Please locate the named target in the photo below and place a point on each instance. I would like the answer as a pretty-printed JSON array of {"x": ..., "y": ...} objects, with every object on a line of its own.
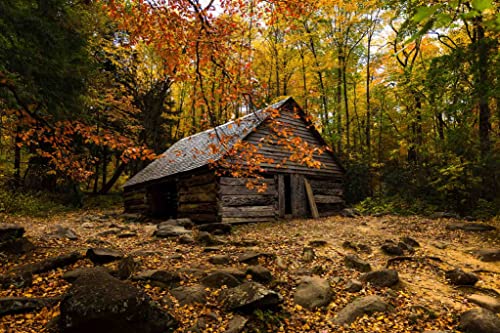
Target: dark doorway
[
  {"x": 163, "y": 200},
  {"x": 288, "y": 195}
]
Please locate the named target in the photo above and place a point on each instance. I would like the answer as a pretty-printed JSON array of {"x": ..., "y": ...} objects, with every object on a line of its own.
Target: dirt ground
[{"x": 424, "y": 300}]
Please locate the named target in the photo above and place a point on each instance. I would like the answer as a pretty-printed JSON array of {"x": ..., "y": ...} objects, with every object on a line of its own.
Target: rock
[
  {"x": 350, "y": 212},
  {"x": 237, "y": 273},
  {"x": 353, "y": 261},
  {"x": 182, "y": 222},
  {"x": 252, "y": 257},
  {"x": 236, "y": 324},
  {"x": 479, "y": 320},
  {"x": 470, "y": 226},
  {"x": 73, "y": 275},
  {"x": 206, "y": 239},
  {"x": 10, "y": 232},
  {"x": 260, "y": 274},
  {"x": 130, "y": 217},
  {"x": 217, "y": 279},
  {"x": 318, "y": 243},
  {"x": 392, "y": 249},
  {"x": 49, "y": 264},
  {"x": 126, "y": 267},
  {"x": 186, "y": 239},
  {"x": 313, "y": 292},
  {"x": 308, "y": 254},
  {"x": 220, "y": 260},
  {"x": 349, "y": 245},
  {"x": 484, "y": 301},
  {"x": 440, "y": 245},
  {"x": 215, "y": 228},
  {"x": 364, "y": 248},
  {"x": 109, "y": 232},
  {"x": 405, "y": 247},
  {"x": 16, "y": 280},
  {"x": 458, "y": 277},
  {"x": 63, "y": 232},
  {"x": 359, "y": 307},
  {"x": 12, "y": 305},
  {"x": 100, "y": 255},
  {"x": 162, "y": 278},
  {"x": 488, "y": 255},
  {"x": 248, "y": 297},
  {"x": 381, "y": 278},
  {"x": 98, "y": 302},
  {"x": 353, "y": 286},
  {"x": 16, "y": 246},
  {"x": 410, "y": 241},
  {"x": 190, "y": 294},
  {"x": 170, "y": 231},
  {"x": 209, "y": 249}
]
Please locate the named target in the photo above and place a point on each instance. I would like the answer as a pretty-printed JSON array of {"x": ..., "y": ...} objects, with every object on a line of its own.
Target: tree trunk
[{"x": 118, "y": 172}]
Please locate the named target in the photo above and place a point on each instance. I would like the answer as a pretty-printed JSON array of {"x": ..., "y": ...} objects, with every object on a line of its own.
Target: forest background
[{"x": 405, "y": 92}]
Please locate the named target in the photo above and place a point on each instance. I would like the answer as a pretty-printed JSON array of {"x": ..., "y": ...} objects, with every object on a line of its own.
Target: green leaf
[
  {"x": 423, "y": 13},
  {"x": 481, "y": 5}
]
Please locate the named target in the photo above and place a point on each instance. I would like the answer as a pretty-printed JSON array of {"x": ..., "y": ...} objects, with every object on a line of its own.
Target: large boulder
[
  {"x": 189, "y": 294},
  {"x": 100, "y": 303},
  {"x": 313, "y": 292},
  {"x": 160, "y": 277},
  {"x": 458, "y": 277},
  {"x": 488, "y": 255},
  {"x": 359, "y": 307},
  {"x": 485, "y": 301},
  {"x": 170, "y": 231},
  {"x": 10, "y": 231},
  {"x": 101, "y": 255},
  {"x": 217, "y": 279},
  {"x": 479, "y": 320},
  {"x": 355, "y": 262},
  {"x": 248, "y": 297},
  {"x": 381, "y": 278}
]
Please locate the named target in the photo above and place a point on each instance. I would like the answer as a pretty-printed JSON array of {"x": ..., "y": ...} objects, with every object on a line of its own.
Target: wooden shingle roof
[{"x": 198, "y": 150}]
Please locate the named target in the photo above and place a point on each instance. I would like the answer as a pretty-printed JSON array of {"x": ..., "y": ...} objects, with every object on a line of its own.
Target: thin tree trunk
[
  {"x": 17, "y": 157},
  {"x": 118, "y": 172}
]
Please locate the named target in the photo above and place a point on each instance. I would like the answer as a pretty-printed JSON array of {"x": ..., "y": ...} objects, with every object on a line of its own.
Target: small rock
[
  {"x": 349, "y": 245},
  {"x": 484, "y": 301},
  {"x": 128, "y": 234},
  {"x": 126, "y": 267},
  {"x": 406, "y": 247},
  {"x": 359, "y": 307},
  {"x": 73, "y": 275},
  {"x": 353, "y": 261},
  {"x": 88, "y": 225},
  {"x": 381, "y": 278},
  {"x": 440, "y": 245},
  {"x": 237, "y": 273},
  {"x": 252, "y": 257},
  {"x": 209, "y": 249},
  {"x": 181, "y": 222},
  {"x": 353, "y": 286},
  {"x": 10, "y": 231},
  {"x": 479, "y": 320},
  {"x": 16, "y": 246},
  {"x": 190, "y": 294},
  {"x": 444, "y": 215},
  {"x": 217, "y": 279},
  {"x": 260, "y": 274},
  {"x": 318, "y": 243},
  {"x": 458, "y": 277},
  {"x": 392, "y": 250},
  {"x": 364, "y": 248},
  {"x": 62, "y": 232},
  {"x": 160, "y": 277},
  {"x": 186, "y": 239},
  {"x": 313, "y": 292},
  {"x": 170, "y": 231},
  {"x": 206, "y": 239},
  {"x": 100, "y": 255},
  {"x": 308, "y": 254},
  {"x": 350, "y": 212},
  {"x": 248, "y": 297},
  {"x": 236, "y": 324},
  {"x": 410, "y": 241},
  {"x": 215, "y": 228},
  {"x": 13, "y": 305},
  {"x": 220, "y": 260},
  {"x": 488, "y": 255}
]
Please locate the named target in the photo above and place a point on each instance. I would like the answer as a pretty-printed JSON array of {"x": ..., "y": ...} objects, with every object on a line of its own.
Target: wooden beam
[
  {"x": 310, "y": 198},
  {"x": 281, "y": 196},
  {"x": 328, "y": 199}
]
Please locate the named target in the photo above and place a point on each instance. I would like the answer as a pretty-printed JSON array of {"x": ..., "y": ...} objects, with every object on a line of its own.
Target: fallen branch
[
  {"x": 12, "y": 305},
  {"x": 48, "y": 264}
]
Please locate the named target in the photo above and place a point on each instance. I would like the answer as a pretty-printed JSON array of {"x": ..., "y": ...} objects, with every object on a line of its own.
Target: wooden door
[{"x": 292, "y": 199}]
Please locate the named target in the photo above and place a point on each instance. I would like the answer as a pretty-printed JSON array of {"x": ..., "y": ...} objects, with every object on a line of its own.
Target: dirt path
[{"x": 423, "y": 292}]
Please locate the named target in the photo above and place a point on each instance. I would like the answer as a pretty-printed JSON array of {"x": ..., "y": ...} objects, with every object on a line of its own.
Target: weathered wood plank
[
  {"x": 330, "y": 183},
  {"x": 211, "y": 187},
  {"x": 243, "y": 181},
  {"x": 230, "y": 190},
  {"x": 197, "y": 207},
  {"x": 239, "y": 220},
  {"x": 258, "y": 210},
  {"x": 198, "y": 179},
  {"x": 327, "y": 191},
  {"x": 199, "y": 218},
  {"x": 298, "y": 195},
  {"x": 310, "y": 199},
  {"x": 198, "y": 197},
  {"x": 247, "y": 200},
  {"x": 328, "y": 199}
]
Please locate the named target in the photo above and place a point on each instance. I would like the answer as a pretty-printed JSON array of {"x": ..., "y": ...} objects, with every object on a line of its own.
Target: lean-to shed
[{"x": 187, "y": 181}]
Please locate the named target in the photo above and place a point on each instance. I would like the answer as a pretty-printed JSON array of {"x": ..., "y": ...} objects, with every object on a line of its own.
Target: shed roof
[{"x": 196, "y": 150}]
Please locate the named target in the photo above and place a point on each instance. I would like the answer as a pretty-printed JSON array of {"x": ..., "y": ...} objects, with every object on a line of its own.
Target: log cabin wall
[
  {"x": 135, "y": 200},
  {"x": 239, "y": 204},
  {"x": 197, "y": 196},
  {"x": 326, "y": 182}
]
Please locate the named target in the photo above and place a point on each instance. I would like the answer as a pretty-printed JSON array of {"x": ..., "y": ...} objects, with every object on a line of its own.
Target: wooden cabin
[{"x": 185, "y": 181}]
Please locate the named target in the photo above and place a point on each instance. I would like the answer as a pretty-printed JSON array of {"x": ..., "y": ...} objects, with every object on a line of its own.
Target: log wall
[
  {"x": 239, "y": 204},
  {"x": 328, "y": 194},
  {"x": 135, "y": 200},
  {"x": 197, "y": 197}
]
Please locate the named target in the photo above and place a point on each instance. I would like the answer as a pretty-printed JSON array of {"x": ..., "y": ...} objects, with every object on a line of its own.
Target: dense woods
[{"x": 406, "y": 93}]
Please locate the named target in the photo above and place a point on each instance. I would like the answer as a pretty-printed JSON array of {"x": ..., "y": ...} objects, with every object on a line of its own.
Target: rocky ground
[{"x": 337, "y": 274}]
